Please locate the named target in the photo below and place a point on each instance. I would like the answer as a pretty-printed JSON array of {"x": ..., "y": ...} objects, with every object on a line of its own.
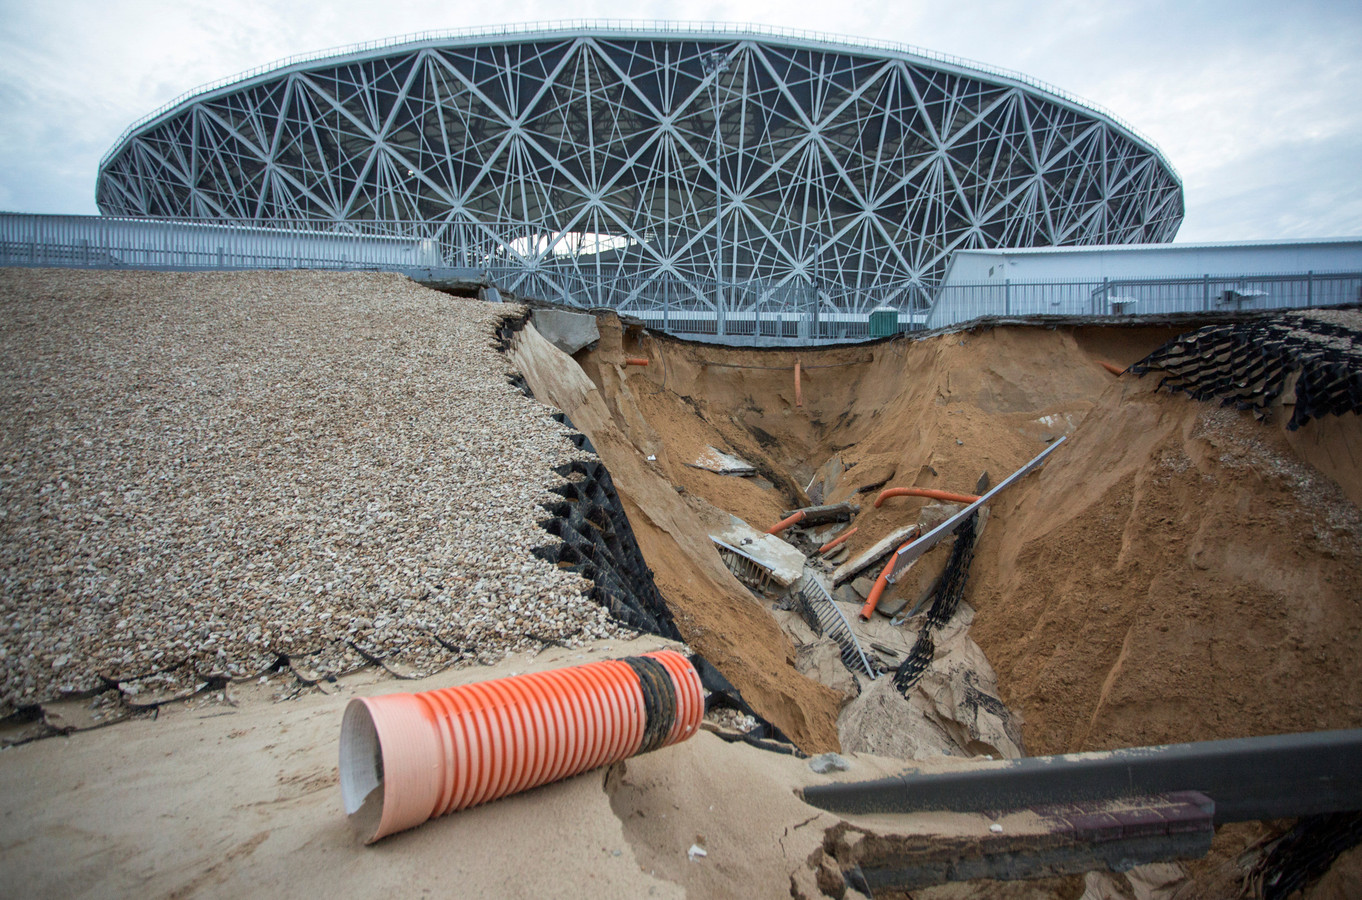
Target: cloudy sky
[{"x": 1257, "y": 103}]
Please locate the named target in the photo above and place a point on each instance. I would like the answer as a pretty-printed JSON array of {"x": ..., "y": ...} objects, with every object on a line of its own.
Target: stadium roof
[{"x": 633, "y": 164}]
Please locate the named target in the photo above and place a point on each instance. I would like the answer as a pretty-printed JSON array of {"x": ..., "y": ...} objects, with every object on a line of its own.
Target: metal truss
[{"x": 717, "y": 172}]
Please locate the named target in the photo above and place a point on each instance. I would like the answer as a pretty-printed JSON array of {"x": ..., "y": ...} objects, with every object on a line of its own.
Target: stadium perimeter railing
[
  {"x": 793, "y": 313},
  {"x": 954, "y": 303}
]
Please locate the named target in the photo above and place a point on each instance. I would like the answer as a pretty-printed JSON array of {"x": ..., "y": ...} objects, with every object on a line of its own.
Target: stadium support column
[{"x": 715, "y": 64}]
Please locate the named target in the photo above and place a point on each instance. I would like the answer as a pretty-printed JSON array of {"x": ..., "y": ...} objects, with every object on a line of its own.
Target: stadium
[
  {"x": 715, "y": 169},
  {"x": 328, "y": 467}
]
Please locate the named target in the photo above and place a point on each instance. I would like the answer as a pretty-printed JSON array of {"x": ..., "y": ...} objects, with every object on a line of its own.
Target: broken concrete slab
[
  {"x": 721, "y": 463},
  {"x": 882, "y": 549},
  {"x": 785, "y": 563},
  {"x": 847, "y": 594},
  {"x": 568, "y": 331},
  {"x": 892, "y": 602},
  {"x": 820, "y": 515},
  {"x": 933, "y": 514}
]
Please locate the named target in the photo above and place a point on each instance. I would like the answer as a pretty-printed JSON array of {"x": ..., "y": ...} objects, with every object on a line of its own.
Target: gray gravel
[{"x": 200, "y": 473}]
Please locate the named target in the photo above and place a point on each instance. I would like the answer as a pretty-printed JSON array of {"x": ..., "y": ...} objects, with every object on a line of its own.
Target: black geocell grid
[
  {"x": 1249, "y": 364},
  {"x": 945, "y": 600}
]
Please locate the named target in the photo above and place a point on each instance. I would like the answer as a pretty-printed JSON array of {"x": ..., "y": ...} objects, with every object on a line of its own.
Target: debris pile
[{"x": 204, "y": 477}]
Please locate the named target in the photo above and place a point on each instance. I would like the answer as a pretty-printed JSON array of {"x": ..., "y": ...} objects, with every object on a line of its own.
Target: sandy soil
[
  {"x": 714, "y": 612},
  {"x": 1175, "y": 572},
  {"x": 238, "y": 801},
  {"x": 225, "y": 800}
]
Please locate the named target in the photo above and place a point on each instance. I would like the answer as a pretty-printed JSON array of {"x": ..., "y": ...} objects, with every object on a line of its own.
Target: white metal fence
[
  {"x": 956, "y": 303},
  {"x": 107, "y": 242},
  {"x": 751, "y": 311}
]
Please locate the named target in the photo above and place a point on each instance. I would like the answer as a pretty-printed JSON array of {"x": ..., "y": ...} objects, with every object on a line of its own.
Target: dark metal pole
[{"x": 1278, "y": 776}]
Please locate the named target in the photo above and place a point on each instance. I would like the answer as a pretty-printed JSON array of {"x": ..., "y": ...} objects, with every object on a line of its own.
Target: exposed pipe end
[{"x": 389, "y": 765}]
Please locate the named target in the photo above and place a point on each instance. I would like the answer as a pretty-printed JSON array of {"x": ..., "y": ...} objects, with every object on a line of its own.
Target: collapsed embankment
[
  {"x": 710, "y": 607},
  {"x": 1176, "y": 572}
]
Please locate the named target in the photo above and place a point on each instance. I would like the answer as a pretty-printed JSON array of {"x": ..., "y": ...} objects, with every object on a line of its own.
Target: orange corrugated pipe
[
  {"x": 1112, "y": 368},
  {"x": 406, "y": 758},
  {"x": 880, "y": 583},
  {"x": 635, "y": 361},
  {"x": 923, "y": 492},
  {"x": 837, "y": 541},
  {"x": 799, "y": 390},
  {"x": 786, "y": 523}
]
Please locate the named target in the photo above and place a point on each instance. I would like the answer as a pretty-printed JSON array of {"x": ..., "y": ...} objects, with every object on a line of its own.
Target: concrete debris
[
  {"x": 892, "y": 601},
  {"x": 824, "y": 763},
  {"x": 820, "y": 515},
  {"x": 916, "y": 583},
  {"x": 721, "y": 463},
  {"x": 568, "y": 331},
  {"x": 846, "y": 593},
  {"x": 784, "y": 562},
  {"x": 875, "y": 554},
  {"x": 826, "y": 479},
  {"x": 953, "y": 710}
]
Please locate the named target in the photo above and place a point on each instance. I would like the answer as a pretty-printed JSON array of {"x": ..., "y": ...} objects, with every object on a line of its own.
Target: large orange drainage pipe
[
  {"x": 406, "y": 758},
  {"x": 794, "y": 519},
  {"x": 930, "y": 493},
  {"x": 883, "y": 581},
  {"x": 839, "y": 540}
]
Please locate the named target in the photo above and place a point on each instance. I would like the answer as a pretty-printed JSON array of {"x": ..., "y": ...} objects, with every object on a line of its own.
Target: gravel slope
[{"x": 202, "y": 472}]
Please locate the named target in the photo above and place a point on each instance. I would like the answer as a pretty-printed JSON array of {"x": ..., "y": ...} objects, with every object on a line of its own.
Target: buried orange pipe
[
  {"x": 947, "y": 496},
  {"x": 406, "y": 758},
  {"x": 635, "y": 361},
  {"x": 1113, "y": 368},
  {"x": 786, "y": 523},
  {"x": 799, "y": 390},
  {"x": 839, "y": 540},
  {"x": 882, "y": 582}
]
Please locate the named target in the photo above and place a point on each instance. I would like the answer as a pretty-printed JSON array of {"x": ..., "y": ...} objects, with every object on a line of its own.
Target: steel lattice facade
[{"x": 597, "y": 162}]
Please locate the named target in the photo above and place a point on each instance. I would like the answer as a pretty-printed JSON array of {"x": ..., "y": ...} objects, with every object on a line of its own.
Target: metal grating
[{"x": 823, "y": 615}]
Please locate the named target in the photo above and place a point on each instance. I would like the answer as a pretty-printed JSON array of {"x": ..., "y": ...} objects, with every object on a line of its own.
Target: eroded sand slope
[{"x": 1176, "y": 572}]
